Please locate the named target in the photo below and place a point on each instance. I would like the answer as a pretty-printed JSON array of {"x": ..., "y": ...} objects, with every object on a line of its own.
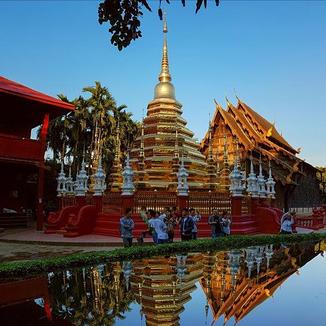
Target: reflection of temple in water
[
  {"x": 234, "y": 283},
  {"x": 163, "y": 285}
]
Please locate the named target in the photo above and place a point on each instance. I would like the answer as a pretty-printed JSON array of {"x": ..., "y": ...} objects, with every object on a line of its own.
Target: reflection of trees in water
[
  {"x": 234, "y": 282},
  {"x": 90, "y": 296}
]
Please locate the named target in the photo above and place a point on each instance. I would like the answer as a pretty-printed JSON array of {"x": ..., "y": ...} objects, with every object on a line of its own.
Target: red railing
[
  {"x": 315, "y": 221},
  {"x": 244, "y": 206},
  {"x": 156, "y": 200},
  {"x": 68, "y": 201},
  {"x": 20, "y": 148},
  {"x": 111, "y": 200},
  {"x": 205, "y": 203}
]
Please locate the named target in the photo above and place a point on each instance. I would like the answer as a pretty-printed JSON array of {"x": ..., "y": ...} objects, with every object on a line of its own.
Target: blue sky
[{"x": 272, "y": 54}]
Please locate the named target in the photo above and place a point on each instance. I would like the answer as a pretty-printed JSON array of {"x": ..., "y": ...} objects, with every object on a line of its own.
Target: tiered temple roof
[{"x": 255, "y": 135}]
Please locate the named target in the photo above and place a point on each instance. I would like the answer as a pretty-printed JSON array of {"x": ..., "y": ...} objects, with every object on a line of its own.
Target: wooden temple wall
[{"x": 307, "y": 193}]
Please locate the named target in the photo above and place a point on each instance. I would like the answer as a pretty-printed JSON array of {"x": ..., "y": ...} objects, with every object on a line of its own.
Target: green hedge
[{"x": 39, "y": 266}]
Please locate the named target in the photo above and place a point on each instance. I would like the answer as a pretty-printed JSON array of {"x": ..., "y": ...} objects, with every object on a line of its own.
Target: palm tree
[{"x": 89, "y": 131}]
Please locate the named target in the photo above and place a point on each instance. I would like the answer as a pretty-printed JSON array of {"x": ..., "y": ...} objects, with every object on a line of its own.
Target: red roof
[{"x": 10, "y": 87}]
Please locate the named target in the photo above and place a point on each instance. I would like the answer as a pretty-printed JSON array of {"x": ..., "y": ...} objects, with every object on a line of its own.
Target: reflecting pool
[{"x": 260, "y": 285}]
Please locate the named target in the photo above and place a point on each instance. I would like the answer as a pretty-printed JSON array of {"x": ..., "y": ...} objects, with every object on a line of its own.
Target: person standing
[
  {"x": 226, "y": 223},
  {"x": 126, "y": 227},
  {"x": 153, "y": 220},
  {"x": 186, "y": 225},
  {"x": 287, "y": 222},
  {"x": 196, "y": 218},
  {"x": 215, "y": 222},
  {"x": 171, "y": 223},
  {"x": 161, "y": 231},
  {"x": 212, "y": 220}
]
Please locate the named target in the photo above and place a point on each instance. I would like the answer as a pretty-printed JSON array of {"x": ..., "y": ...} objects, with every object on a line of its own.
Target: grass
[{"x": 40, "y": 266}]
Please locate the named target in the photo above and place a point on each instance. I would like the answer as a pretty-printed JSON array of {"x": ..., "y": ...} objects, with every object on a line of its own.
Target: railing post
[
  {"x": 98, "y": 202},
  {"x": 236, "y": 205},
  {"x": 182, "y": 201}
]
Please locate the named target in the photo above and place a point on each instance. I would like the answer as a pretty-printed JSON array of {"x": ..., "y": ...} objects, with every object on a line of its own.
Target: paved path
[
  {"x": 23, "y": 251},
  {"x": 26, "y": 244}
]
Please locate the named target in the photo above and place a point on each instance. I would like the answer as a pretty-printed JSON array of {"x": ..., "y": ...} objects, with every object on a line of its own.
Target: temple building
[
  {"x": 22, "y": 166},
  {"x": 165, "y": 140},
  {"x": 241, "y": 130},
  {"x": 165, "y": 144}
]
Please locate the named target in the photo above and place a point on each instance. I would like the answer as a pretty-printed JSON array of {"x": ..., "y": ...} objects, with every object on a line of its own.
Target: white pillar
[
  {"x": 61, "y": 182},
  {"x": 252, "y": 187},
  {"x": 183, "y": 187},
  {"x": 128, "y": 187},
  {"x": 261, "y": 181},
  {"x": 81, "y": 181},
  {"x": 99, "y": 180},
  {"x": 270, "y": 184}
]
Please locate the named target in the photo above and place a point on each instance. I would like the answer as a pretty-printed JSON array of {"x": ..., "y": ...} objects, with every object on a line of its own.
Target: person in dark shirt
[
  {"x": 126, "y": 227},
  {"x": 186, "y": 225}
]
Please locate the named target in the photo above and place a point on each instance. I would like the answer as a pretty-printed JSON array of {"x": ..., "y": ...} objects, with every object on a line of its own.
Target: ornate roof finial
[
  {"x": 165, "y": 74},
  {"x": 228, "y": 102}
]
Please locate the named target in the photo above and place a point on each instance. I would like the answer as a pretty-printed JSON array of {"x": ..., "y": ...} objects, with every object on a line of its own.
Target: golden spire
[
  {"x": 165, "y": 74},
  {"x": 164, "y": 89}
]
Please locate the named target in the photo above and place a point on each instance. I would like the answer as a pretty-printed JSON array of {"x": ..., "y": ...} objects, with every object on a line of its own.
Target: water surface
[{"x": 261, "y": 285}]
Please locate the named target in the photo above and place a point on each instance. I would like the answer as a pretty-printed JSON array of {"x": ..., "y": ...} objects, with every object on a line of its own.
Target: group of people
[{"x": 161, "y": 225}]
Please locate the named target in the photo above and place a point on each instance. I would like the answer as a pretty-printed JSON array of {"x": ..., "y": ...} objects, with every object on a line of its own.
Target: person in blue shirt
[{"x": 126, "y": 227}]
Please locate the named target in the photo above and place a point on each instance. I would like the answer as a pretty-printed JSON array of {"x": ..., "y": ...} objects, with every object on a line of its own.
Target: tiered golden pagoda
[{"x": 165, "y": 138}]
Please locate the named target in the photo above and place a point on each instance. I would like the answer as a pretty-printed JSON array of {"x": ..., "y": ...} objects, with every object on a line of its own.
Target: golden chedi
[{"x": 165, "y": 139}]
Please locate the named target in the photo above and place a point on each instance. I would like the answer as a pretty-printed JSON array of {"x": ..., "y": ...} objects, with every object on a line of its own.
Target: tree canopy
[
  {"x": 124, "y": 17},
  {"x": 90, "y": 131}
]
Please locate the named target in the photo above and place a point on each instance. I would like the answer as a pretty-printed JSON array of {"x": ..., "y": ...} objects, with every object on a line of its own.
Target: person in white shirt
[
  {"x": 287, "y": 221},
  {"x": 161, "y": 230},
  {"x": 152, "y": 224}
]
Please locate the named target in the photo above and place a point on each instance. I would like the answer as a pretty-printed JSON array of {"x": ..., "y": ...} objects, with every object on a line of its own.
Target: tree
[
  {"x": 124, "y": 18},
  {"x": 90, "y": 131}
]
